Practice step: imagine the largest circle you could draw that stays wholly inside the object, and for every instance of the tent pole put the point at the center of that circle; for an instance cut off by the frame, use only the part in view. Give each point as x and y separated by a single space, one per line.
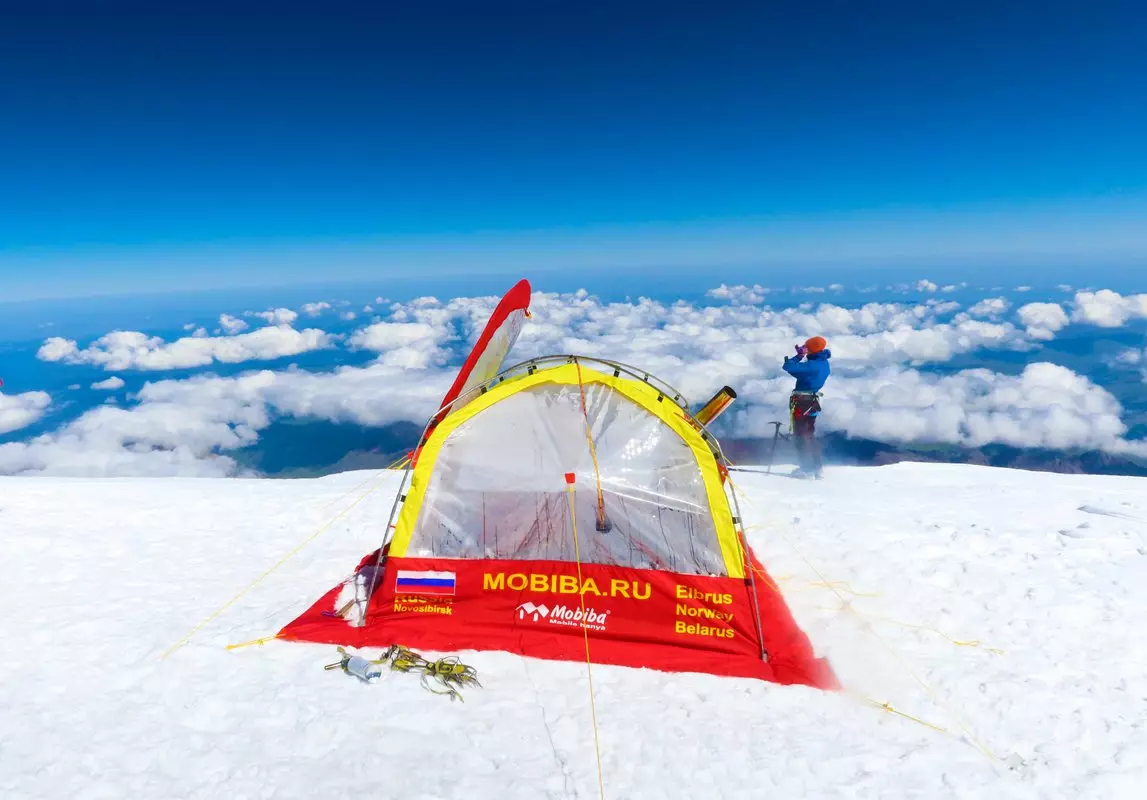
749 566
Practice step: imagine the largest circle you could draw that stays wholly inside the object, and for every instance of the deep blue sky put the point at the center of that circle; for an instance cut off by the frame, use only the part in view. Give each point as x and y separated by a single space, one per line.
159 146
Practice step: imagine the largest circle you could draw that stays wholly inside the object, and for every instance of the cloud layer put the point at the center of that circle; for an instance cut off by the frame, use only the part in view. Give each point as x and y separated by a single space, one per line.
21 410
882 387
125 350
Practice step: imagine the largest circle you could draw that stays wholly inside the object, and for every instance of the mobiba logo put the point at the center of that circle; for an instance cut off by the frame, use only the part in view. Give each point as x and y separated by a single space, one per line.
571 616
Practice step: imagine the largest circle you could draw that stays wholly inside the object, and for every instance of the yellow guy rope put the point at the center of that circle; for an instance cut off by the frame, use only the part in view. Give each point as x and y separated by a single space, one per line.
274 567
585 634
570 478
592 448
844 603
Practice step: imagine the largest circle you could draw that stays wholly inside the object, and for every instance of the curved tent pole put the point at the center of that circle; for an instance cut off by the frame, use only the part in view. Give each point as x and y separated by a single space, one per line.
530 365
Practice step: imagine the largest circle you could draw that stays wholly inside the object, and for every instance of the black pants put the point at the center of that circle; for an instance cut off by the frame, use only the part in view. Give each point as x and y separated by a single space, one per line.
804 408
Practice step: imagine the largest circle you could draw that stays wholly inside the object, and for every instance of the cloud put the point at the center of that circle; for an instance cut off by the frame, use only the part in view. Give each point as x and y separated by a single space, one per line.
926 286
314 309
990 307
21 410
232 324
836 287
1132 357
809 290
186 427
1043 320
348 316
1023 288
276 316
740 294
111 384
123 350
1108 309
1046 406
413 345
189 426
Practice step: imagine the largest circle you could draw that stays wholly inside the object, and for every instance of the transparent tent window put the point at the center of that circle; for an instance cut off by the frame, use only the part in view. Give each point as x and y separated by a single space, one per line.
498 489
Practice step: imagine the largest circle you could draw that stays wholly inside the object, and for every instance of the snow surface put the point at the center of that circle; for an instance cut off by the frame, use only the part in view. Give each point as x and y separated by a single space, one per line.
99 577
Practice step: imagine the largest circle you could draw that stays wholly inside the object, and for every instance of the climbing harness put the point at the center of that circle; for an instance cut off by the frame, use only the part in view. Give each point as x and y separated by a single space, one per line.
813 409
449 673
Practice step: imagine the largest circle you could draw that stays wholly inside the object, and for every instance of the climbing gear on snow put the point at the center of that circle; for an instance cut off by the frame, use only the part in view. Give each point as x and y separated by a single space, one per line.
362 668
449 672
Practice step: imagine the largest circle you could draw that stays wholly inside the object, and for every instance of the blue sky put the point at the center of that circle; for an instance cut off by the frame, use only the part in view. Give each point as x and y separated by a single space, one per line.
150 147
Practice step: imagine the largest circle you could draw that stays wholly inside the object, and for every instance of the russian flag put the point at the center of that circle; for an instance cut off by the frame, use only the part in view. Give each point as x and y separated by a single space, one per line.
411 582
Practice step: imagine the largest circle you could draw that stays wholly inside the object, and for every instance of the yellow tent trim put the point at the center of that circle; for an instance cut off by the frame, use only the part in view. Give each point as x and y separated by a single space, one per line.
639 392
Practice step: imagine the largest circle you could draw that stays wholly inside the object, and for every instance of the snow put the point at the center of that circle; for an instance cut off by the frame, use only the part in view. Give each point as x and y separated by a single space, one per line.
98 577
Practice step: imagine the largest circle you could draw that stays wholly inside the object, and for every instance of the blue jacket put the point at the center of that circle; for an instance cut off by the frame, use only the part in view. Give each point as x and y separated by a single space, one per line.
810 374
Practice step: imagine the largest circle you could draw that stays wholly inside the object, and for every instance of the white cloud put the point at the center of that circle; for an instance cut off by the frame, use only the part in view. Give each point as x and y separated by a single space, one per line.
990 307
808 290
740 294
348 316
314 309
1043 320
188 426
1023 288
836 287
1046 406
413 345
926 285
111 384
275 316
189 326
199 333
1108 309
122 350
21 410
368 309
1064 287
231 324
1132 357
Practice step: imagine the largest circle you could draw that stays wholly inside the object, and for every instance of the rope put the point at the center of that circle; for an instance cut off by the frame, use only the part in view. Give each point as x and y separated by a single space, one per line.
959 643
888 707
349 492
585 634
845 603
259 642
274 567
592 451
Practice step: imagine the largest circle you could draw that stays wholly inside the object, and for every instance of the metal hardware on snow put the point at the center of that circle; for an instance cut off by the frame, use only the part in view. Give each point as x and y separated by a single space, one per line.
449 672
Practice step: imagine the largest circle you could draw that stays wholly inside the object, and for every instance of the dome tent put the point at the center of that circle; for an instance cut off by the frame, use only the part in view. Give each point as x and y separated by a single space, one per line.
570 498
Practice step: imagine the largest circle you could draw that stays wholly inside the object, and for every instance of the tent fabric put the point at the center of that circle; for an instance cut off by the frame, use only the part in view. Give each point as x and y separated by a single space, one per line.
574 439
497 545
498 489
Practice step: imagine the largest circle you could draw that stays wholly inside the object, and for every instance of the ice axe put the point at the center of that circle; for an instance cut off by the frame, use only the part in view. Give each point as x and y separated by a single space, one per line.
773 450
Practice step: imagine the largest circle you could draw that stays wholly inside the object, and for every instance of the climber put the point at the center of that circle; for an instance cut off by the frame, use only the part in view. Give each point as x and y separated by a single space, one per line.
810 367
